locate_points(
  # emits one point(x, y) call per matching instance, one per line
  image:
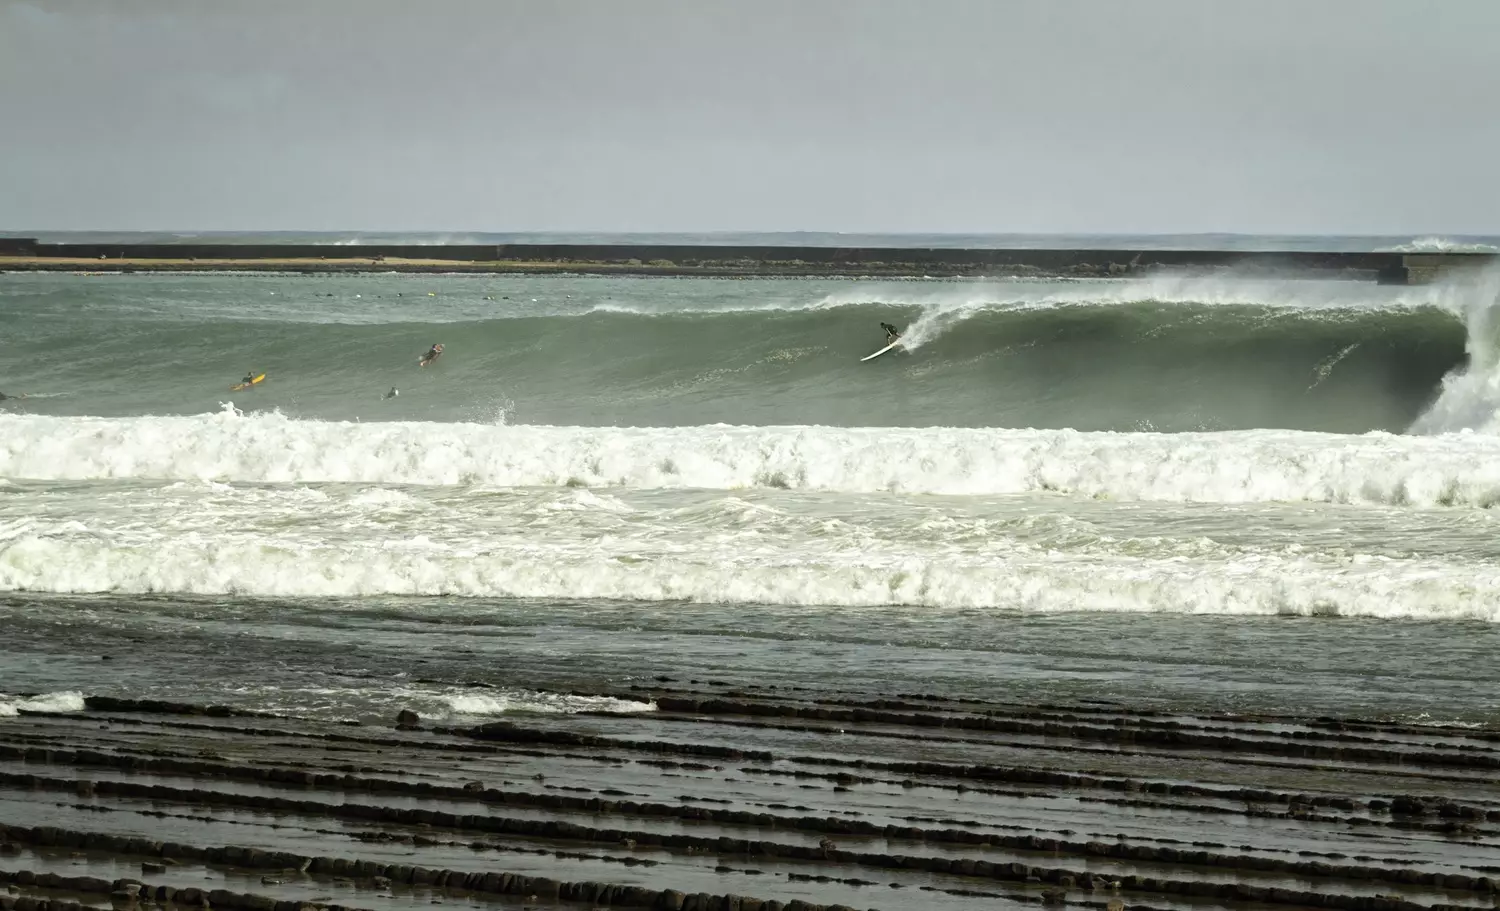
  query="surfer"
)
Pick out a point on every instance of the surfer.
point(891, 335)
point(249, 379)
point(393, 393)
point(432, 353)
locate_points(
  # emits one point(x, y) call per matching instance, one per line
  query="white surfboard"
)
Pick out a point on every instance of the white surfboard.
point(881, 351)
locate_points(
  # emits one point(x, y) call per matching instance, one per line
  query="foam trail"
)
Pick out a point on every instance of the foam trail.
point(1229, 467)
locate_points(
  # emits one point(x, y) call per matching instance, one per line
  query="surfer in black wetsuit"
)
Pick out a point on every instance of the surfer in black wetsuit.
point(249, 379)
point(433, 352)
point(891, 334)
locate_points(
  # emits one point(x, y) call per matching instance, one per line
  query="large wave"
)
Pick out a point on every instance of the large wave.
point(1167, 353)
point(1228, 467)
point(1071, 360)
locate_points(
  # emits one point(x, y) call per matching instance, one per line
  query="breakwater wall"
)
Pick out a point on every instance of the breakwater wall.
point(707, 259)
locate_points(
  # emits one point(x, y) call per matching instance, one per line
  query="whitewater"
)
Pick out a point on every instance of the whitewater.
point(1171, 447)
point(1454, 470)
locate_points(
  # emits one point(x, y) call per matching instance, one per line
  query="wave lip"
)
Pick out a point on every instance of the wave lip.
point(1452, 470)
point(1439, 245)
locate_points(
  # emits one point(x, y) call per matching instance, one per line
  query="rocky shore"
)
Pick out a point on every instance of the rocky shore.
point(745, 798)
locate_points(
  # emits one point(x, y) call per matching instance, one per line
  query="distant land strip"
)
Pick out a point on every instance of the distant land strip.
point(706, 260)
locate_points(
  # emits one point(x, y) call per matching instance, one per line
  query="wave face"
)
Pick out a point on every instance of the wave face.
point(1162, 355)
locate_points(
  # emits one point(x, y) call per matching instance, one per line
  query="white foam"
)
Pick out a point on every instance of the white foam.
point(1440, 245)
point(746, 569)
point(481, 704)
point(1461, 469)
point(1470, 397)
point(1161, 288)
point(941, 311)
point(67, 701)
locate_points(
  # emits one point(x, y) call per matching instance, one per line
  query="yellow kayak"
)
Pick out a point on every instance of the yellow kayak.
point(238, 386)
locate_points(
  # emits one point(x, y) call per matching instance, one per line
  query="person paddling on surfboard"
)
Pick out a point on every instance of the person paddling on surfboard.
point(891, 335)
point(431, 355)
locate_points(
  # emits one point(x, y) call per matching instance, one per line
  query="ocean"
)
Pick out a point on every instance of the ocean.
point(1217, 504)
point(1186, 456)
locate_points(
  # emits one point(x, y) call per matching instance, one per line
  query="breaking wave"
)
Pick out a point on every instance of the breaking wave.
point(11, 706)
point(1460, 470)
point(1007, 577)
point(1164, 354)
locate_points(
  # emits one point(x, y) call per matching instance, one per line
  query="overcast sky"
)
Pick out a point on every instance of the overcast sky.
point(1126, 116)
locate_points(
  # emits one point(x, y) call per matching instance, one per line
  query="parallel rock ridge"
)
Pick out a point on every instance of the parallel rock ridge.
point(803, 801)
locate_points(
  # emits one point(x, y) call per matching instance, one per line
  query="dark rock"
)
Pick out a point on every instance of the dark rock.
point(406, 718)
point(474, 787)
point(148, 867)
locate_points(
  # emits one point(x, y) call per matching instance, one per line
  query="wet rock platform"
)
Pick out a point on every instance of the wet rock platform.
point(746, 798)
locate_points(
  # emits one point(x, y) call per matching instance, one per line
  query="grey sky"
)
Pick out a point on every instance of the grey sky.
point(1261, 116)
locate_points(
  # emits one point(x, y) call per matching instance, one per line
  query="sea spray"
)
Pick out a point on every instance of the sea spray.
point(1470, 396)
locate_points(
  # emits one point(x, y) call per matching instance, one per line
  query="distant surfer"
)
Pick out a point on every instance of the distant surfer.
point(249, 379)
point(891, 335)
point(431, 355)
point(393, 393)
